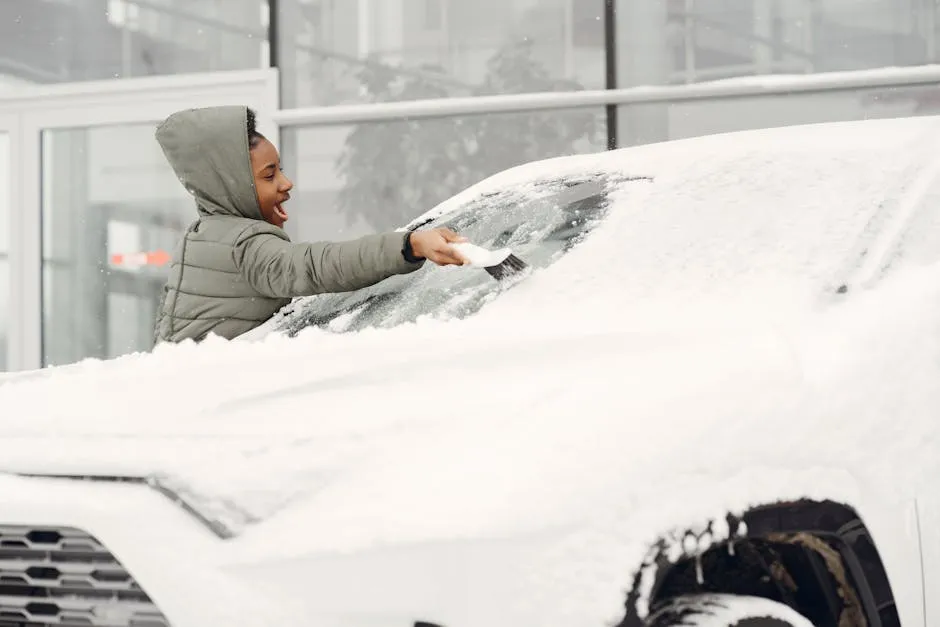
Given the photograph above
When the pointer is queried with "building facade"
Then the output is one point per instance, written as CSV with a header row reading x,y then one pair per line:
x,y
83,242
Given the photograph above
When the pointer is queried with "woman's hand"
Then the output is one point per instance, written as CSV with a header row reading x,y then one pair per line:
x,y
434,245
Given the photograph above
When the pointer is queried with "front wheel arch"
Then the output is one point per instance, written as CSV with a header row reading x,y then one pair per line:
x,y
815,556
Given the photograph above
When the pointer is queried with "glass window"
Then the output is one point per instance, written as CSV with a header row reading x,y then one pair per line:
x,y
4,249
112,213
690,119
713,39
539,221
861,34
50,41
360,50
433,14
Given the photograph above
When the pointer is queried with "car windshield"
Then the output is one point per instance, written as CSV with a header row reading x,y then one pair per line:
x,y
539,221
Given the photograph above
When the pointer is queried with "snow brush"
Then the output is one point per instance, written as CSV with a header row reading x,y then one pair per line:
x,y
500,264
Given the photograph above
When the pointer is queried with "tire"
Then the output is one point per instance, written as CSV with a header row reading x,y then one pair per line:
x,y
725,610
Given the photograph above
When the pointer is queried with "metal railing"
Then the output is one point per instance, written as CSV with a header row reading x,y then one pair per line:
x,y
747,87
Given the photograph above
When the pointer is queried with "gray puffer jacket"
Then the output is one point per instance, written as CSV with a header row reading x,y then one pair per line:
x,y
232,270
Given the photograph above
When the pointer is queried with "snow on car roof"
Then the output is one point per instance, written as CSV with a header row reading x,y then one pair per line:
x,y
508,422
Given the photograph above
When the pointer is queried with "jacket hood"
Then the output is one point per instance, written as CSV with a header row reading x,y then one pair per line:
x,y
208,150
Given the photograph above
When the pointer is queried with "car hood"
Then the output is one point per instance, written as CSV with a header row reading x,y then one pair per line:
x,y
300,416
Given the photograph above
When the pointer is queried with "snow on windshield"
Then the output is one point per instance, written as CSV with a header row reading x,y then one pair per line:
x,y
540,222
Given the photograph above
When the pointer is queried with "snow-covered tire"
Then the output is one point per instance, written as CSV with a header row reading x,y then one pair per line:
x,y
725,610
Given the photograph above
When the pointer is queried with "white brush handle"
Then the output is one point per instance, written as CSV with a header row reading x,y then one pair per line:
x,y
479,256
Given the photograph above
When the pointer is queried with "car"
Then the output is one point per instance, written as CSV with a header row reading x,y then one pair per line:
x,y
710,399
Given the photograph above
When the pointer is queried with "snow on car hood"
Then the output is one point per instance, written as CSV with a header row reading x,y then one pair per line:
x,y
604,437
337,399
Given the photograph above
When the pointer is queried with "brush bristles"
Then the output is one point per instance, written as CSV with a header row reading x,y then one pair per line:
x,y
510,266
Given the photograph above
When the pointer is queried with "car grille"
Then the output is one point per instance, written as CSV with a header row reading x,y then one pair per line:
x,y
65,577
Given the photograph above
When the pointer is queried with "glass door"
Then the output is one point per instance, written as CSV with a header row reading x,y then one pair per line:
x,y
5,228
106,211
112,211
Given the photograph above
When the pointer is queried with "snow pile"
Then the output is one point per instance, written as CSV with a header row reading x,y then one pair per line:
x,y
481,257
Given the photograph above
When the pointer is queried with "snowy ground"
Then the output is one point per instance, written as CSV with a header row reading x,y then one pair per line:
x,y
689,357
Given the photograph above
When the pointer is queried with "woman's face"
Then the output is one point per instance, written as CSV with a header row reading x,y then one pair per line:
x,y
271,185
